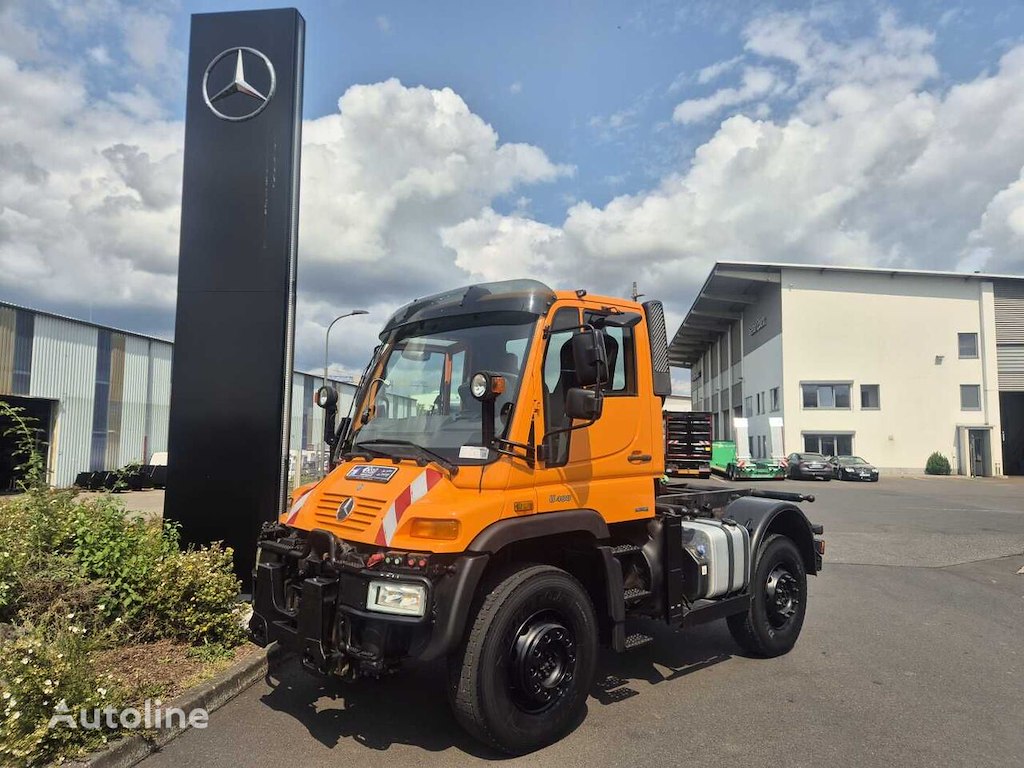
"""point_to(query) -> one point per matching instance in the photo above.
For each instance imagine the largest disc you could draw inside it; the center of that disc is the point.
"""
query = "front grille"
(366, 512)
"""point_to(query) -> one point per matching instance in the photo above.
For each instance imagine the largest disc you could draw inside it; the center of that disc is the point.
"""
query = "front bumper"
(868, 477)
(310, 596)
(804, 472)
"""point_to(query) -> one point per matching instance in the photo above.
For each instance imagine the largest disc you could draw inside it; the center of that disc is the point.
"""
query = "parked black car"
(808, 465)
(852, 468)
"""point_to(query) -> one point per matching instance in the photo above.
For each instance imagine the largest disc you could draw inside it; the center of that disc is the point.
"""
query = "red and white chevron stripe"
(294, 510)
(415, 491)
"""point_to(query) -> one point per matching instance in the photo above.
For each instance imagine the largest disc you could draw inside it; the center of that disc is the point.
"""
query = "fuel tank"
(722, 552)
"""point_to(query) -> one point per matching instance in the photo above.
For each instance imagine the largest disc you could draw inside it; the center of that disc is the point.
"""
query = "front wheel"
(778, 601)
(521, 678)
(730, 472)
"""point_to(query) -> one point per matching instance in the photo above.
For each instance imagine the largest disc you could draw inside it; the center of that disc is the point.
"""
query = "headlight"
(849, 469)
(400, 598)
(486, 386)
(325, 397)
(478, 386)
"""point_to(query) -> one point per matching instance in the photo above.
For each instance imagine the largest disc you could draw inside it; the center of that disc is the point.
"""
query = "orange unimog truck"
(497, 498)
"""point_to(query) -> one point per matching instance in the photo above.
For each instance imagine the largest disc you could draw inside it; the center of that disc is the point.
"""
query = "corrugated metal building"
(101, 396)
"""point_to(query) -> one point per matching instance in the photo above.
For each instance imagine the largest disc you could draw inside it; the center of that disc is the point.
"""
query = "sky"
(586, 144)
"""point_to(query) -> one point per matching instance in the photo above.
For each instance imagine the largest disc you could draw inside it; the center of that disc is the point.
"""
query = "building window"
(760, 402)
(968, 343)
(869, 399)
(775, 399)
(826, 395)
(970, 397)
(829, 444)
(748, 405)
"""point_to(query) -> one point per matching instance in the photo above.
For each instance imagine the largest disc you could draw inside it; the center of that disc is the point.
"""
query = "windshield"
(421, 394)
(851, 460)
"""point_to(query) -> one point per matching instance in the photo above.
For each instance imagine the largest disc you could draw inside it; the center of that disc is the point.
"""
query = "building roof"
(79, 321)
(732, 285)
(100, 326)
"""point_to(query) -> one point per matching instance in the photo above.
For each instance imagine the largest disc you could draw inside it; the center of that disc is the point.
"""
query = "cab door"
(608, 466)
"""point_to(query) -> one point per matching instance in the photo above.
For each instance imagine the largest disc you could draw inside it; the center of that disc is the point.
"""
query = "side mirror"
(583, 404)
(589, 357)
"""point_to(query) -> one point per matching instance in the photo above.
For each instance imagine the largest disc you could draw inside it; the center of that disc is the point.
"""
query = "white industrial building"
(886, 364)
(100, 396)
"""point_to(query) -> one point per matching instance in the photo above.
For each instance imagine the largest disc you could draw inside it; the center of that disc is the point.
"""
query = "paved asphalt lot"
(912, 654)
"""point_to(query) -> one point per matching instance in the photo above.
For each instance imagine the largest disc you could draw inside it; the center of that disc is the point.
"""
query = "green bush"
(40, 675)
(121, 553)
(77, 576)
(937, 465)
(196, 598)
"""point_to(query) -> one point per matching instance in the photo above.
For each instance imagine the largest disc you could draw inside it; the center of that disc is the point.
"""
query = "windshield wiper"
(425, 453)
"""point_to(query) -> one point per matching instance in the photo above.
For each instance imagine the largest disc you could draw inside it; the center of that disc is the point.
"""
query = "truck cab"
(497, 498)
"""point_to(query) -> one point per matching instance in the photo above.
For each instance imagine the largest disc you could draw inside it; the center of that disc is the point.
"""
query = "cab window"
(559, 377)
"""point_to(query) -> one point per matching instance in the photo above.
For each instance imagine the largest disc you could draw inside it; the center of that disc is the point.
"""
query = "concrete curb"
(211, 695)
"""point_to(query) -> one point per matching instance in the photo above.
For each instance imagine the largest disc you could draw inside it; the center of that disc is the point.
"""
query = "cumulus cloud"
(146, 39)
(90, 197)
(382, 180)
(872, 164)
(757, 83)
(827, 150)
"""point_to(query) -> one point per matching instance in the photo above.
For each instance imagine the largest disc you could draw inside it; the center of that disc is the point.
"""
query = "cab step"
(637, 640)
(635, 594)
(623, 642)
(620, 550)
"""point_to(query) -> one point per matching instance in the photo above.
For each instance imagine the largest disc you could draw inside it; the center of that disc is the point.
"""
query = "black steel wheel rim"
(782, 592)
(542, 662)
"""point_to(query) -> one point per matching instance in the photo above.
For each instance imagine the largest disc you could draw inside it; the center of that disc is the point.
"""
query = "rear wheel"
(778, 603)
(521, 678)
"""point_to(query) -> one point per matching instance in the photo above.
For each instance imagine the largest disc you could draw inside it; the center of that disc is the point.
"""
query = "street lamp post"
(327, 342)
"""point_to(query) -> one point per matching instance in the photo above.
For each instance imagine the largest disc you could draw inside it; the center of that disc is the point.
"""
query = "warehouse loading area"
(40, 413)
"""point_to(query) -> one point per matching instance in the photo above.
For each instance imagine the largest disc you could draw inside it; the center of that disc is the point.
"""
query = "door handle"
(639, 458)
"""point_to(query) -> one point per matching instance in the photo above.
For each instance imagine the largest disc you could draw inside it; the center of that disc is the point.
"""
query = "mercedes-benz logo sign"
(250, 99)
(346, 507)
